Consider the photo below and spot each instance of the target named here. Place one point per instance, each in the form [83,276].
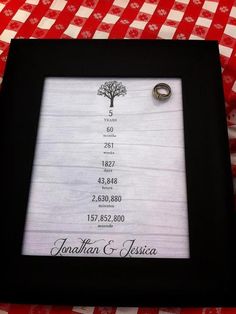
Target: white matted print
[109,171]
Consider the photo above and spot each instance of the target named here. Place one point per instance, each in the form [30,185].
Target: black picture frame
[203,280]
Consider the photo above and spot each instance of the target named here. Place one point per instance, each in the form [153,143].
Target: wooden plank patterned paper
[109,171]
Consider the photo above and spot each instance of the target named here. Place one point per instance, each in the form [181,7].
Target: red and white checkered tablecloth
[130,19]
[47,309]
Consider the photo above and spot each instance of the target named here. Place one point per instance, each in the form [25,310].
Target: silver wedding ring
[161,91]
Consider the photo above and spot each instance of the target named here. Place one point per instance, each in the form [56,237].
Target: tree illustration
[112,89]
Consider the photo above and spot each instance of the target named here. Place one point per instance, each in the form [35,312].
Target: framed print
[116,174]
[105,152]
